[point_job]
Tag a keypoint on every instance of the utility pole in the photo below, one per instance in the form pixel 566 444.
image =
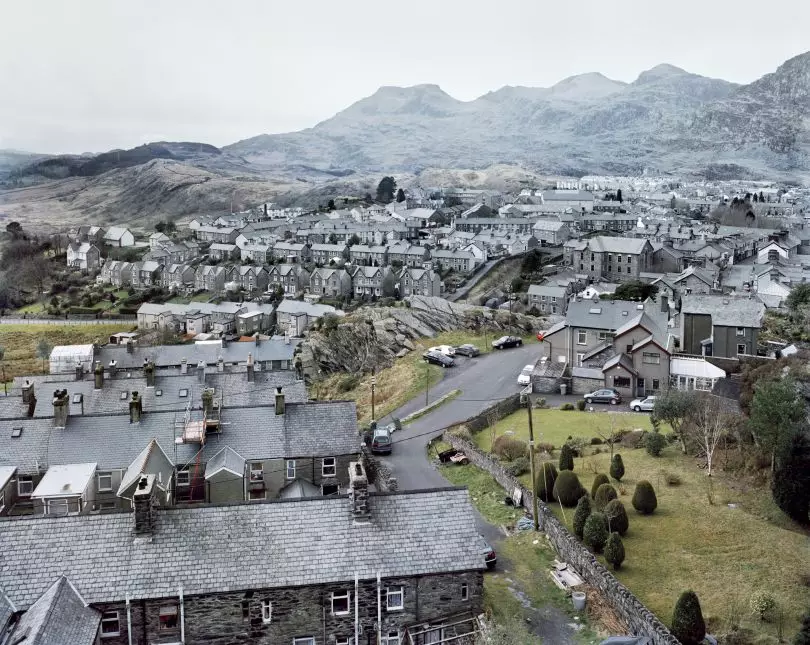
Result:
pixel 427 382
pixel 373 383
pixel 531 459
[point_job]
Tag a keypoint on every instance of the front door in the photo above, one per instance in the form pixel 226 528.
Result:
pixel 640 391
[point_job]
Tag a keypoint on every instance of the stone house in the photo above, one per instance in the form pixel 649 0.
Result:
pixel 326 253
pixel 116 273
pixel 258 253
pixel 291 252
pixel 550 232
pixel 418 282
pixel 294 317
pixel 146 274
pixel 92 234
pixel 218 251
pixel 666 258
pixel 370 281
pixel 158 239
pixel 510 225
pixel 364 255
pixel 459 261
pixel 249 277
pixel 330 283
pixel 292 278
pixel 722 326
pixel 119 236
pixel 220 234
pixel 549 298
pixel 616 259
pixel 83 256
pixel 408 255
pixel 243 594
pixel 179 277
pixel 208 278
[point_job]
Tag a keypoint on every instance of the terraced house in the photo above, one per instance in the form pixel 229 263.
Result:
pixel 419 282
pixel 330 283
pixel 616 259
pixel 292 278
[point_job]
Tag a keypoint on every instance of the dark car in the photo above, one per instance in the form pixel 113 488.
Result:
pixel 504 342
pixel 490 557
pixel 467 350
pixel 437 358
pixel 603 396
pixel 381 442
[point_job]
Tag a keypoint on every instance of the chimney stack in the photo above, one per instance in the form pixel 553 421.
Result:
pixel 79 371
pixel 358 492
pixel 149 372
pixel 27 391
pixel 257 339
pixel 135 408
pixel 61 408
pixel 201 371
pixel 250 369
pixel 220 364
pixel 184 366
pixel 130 346
pixel 32 406
pixel 98 373
pixel 143 502
pixel 279 401
pixel 223 341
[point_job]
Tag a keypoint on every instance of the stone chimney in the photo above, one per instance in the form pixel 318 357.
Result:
pixel 32 406
pixel 220 364
pixel 98 373
pixel 61 408
pixel 143 502
pixel 201 371
pixel 358 492
pixel 184 366
pixel 251 375
pixel 149 372
pixel 27 391
pixel 135 408
pixel 79 371
pixel 207 401
pixel 280 407
pixel 223 341
pixel 130 346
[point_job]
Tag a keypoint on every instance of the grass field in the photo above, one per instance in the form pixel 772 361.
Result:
pixel 695 540
pixel 20 343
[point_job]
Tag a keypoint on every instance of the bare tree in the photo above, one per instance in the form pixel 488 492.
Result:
pixel 609 434
pixel 707 425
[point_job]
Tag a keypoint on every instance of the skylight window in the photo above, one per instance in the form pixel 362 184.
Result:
pixel 16 433
pixel 183 392
pixel 595 310
pixel 124 395
pixel 77 397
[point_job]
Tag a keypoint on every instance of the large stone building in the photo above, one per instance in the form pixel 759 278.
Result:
pixel 616 259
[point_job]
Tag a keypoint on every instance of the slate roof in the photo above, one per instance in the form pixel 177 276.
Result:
pixel 620 360
pixel 546 290
pixel 607 314
pixel 60 616
pixel 139 465
pixel 630 245
pixel 226 459
pixel 726 311
pixel 7 609
pixel 299 489
pixel 280 544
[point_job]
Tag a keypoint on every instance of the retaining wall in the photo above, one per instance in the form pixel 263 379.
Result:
pixel 639 620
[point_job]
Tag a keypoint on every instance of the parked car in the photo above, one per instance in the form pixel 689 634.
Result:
pixel 381 441
pixel 467 350
pixel 437 358
pixel 644 404
pixel 490 557
pixel 603 396
pixel 504 342
pixel 447 350
pixel 525 376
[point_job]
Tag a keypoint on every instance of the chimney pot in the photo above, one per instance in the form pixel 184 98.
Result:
pixel 184 366
pixel 61 408
pixel 130 347
pixel 135 408
pixel 280 406
pixel 79 371
pixel 27 391
pixel 250 369
pixel 98 373
pixel 201 371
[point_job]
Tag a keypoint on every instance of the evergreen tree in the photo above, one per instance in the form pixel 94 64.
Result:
pixel 604 494
pixel 791 479
pixel 400 195
pixel 595 533
pixel 617 468
pixel 761 197
pixel 581 514
pixel 601 478
pixel 644 499
pixel 617 517
pixel 386 189
pixel 546 478
pixel 566 458
pixel 803 637
pixel 331 205
pixel 614 551
pixel 619 197
pixel 688 625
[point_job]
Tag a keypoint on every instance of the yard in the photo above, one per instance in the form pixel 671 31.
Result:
pixel 20 343
pixel 715 536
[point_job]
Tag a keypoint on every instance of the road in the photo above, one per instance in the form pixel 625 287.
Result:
pixel 68 321
pixel 480 274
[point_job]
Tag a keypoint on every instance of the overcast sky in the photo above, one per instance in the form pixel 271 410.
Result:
pixel 91 75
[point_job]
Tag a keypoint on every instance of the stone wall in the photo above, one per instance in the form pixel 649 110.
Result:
pixel 498 411
pixel 639 620
pixel 378 473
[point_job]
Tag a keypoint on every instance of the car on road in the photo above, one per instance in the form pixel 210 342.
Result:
pixel 490 557
pixel 645 404
pixel 467 350
pixel 603 396
pixel 437 358
pixel 381 441
pixel 525 376
pixel 505 342
pixel 447 350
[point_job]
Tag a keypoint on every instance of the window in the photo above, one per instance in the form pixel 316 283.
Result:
pixel 123 395
pixel 741 348
pixel 246 610
pixel 56 507
pixel 267 611
pixel 610 257
pixel 110 624
pixel 183 393
pixel 25 485
pixel 394 598
pixel 183 477
pixel 651 358
pixel 740 331
pixel 465 592
pixel 158 392
pixel 656 384
pixel 619 259
pixel 330 489
pixel 291 469
pixel 256 471
pixel 304 640
pixel 340 603
pixel 167 618
pixel 329 467
pixel 343 640
pixel 104 482
pixel 391 638
pixel 602 335
pixel 16 433
pixel 580 358
pixel 628 269
pixel 77 397
pixel 628 349
pixel 582 337
pixel 621 381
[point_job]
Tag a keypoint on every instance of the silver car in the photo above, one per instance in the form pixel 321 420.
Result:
pixel 643 405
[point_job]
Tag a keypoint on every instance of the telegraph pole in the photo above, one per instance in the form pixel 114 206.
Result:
pixel 531 458
pixel 427 382
pixel 373 383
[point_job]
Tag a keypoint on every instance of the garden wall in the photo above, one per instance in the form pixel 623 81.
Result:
pixel 498 411
pixel 639 620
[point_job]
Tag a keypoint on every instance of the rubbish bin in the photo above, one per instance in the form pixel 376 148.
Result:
pixel 578 598
pixel 563 389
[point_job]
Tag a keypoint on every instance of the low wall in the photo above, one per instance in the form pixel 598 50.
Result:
pixel 497 412
pixel 639 620
pixel 378 473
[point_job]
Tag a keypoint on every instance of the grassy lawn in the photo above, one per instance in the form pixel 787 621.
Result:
pixel 33 308
pixel 695 540
pixel 201 297
pixel 20 342
pixel 178 300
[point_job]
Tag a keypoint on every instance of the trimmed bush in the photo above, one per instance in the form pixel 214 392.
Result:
pixel 566 458
pixel 614 551
pixel 567 488
pixel 618 521
pixel 518 467
pixel 601 478
pixel 581 405
pixel 617 468
pixel 604 494
pixel 644 499
pixel 595 533
pixel 597 441
pixel 567 407
pixel 509 448
pixel 546 480
pixel 654 443
pixel 688 625
pixel 581 515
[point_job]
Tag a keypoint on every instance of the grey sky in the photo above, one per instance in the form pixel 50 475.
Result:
pixel 90 75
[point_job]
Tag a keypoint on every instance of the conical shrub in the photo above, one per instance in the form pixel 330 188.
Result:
pixel 644 499
pixel 595 533
pixel 688 625
pixel 567 488
pixel 566 458
pixel 604 494
pixel 601 478
pixel 617 468
pixel 581 515
pixel 618 521
pixel 614 551
pixel 546 478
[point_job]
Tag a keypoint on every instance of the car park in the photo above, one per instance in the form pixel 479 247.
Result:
pixel 447 350
pixel 381 441
pixel 606 395
pixel 505 342
pixel 437 358
pixel 525 376
pixel 467 350
pixel 644 404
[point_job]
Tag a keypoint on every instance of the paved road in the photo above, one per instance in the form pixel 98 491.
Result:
pixel 68 321
pixel 463 291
